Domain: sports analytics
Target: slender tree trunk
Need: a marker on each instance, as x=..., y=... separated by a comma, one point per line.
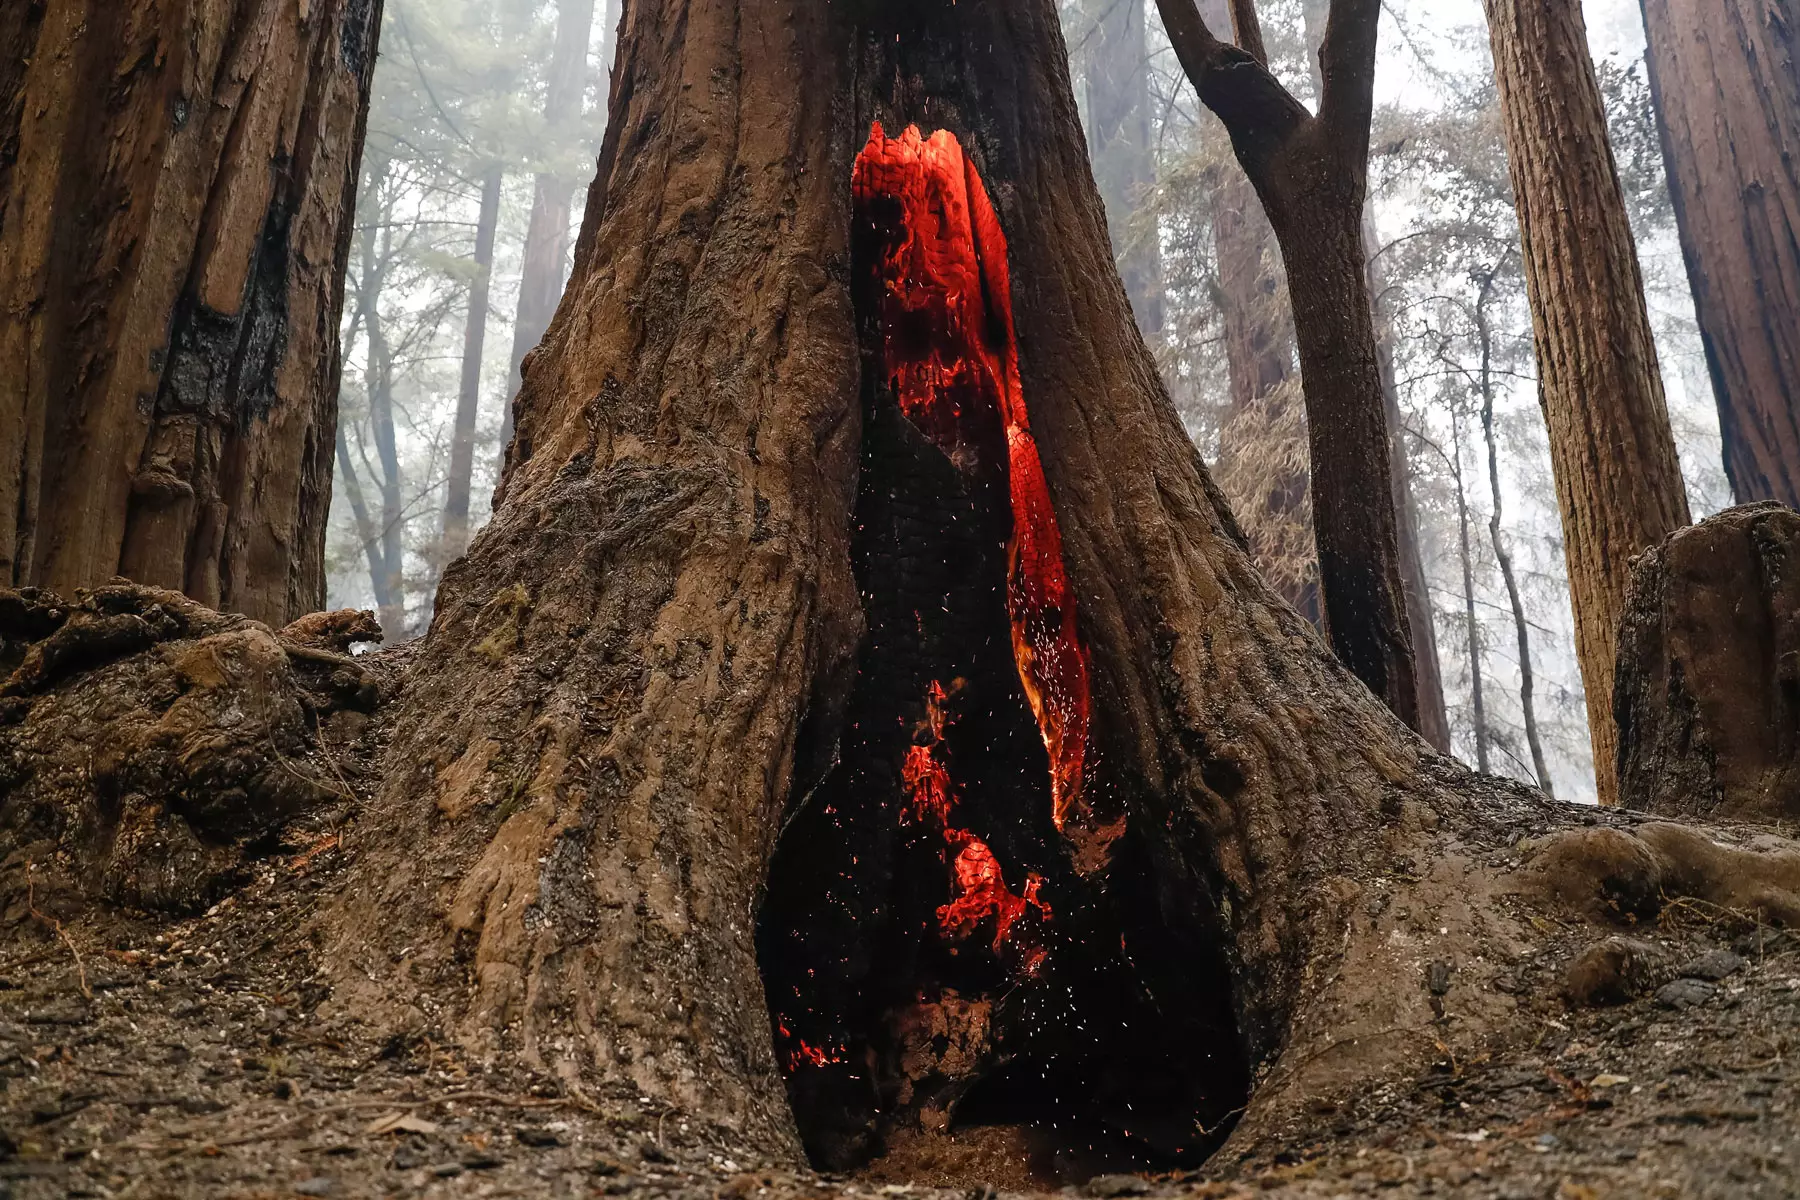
x=1484, y=331
x=1728, y=107
x=1118, y=133
x=175, y=211
x=388, y=575
x=468, y=400
x=1311, y=173
x=1434, y=717
x=546, y=257
x=1617, y=478
x=1472, y=622
x=366, y=533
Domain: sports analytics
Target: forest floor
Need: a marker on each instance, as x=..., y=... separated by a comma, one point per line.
x=147, y=1058
x=191, y=1060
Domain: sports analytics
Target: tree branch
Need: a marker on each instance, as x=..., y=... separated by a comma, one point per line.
x=1246, y=30
x=1260, y=114
x=1347, y=74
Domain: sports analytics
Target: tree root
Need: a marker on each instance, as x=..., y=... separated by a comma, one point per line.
x=151, y=749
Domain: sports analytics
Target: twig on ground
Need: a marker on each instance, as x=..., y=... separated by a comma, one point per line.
x=52, y=922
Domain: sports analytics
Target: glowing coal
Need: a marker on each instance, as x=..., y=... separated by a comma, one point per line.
x=950, y=353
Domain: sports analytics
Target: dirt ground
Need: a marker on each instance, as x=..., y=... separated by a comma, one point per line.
x=149, y=1059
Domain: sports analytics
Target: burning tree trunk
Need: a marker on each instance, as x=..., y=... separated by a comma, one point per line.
x=1617, y=479
x=856, y=599
x=1728, y=107
x=174, y=224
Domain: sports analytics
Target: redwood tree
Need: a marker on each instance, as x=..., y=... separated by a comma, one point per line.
x=665, y=661
x=781, y=405
x=1311, y=174
x=1728, y=107
x=174, y=226
x=1617, y=479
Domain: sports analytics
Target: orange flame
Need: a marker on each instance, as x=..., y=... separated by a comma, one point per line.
x=927, y=780
x=804, y=1054
x=949, y=342
x=984, y=893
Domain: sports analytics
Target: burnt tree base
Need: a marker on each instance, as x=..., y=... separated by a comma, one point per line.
x=936, y=953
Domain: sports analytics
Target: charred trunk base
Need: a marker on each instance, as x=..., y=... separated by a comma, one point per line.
x=959, y=931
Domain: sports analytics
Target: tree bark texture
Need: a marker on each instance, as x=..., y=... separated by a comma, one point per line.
x=1708, y=691
x=638, y=668
x=639, y=674
x=1728, y=108
x=468, y=399
x=1118, y=133
x=1617, y=479
x=546, y=258
x=174, y=222
x=1311, y=174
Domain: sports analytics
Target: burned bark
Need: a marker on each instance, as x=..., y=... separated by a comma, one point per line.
x=174, y=221
x=1728, y=109
x=1708, y=685
x=1617, y=479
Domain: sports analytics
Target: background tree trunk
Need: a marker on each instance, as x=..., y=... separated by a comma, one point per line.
x=468, y=400
x=1521, y=629
x=1311, y=173
x=546, y=259
x=387, y=568
x=1434, y=717
x=1118, y=133
x=1471, y=620
x=1728, y=107
x=1617, y=479
x=174, y=223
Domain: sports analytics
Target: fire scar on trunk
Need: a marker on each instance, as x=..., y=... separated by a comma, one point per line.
x=949, y=933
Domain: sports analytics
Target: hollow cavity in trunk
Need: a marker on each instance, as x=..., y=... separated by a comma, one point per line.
x=962, y=931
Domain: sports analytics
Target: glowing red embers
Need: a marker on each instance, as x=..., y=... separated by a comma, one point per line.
x=802, y=1054
x=928, y=789
x=980, y=893
x=949, y=346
